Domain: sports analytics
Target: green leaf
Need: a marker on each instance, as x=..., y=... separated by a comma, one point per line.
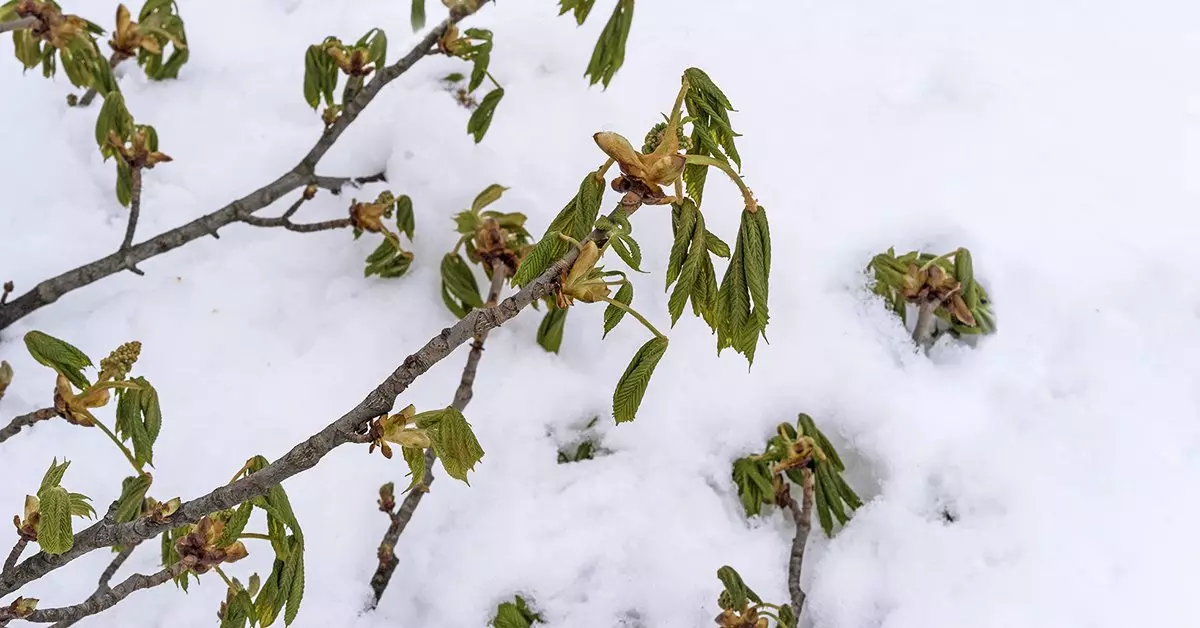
x=581, y=8
x=293, y=579
x=628, y=250
x=418, y=15
x=515, y=614
x=739, y=593
x=54, y=475
x=378, y=47
x=236, y=524
x=460, y=281
x=489, y=195
x=481, y=119
x=550, y=332
x=787, y=619
x=631, y=388
x=133, y=494
x=54, y=525
x=405, y=221
x=716, y=245
x=452, y=304
x=270, y=599
x=684, y=217
x=453, y=441
x=757, y=263
x=544, y=253
x=697, y=252
x=58, y=355
x=415, y=457
x=124, y=183
x=151, y=411
x=313, y=69
x=614, y=314
x=753, y=480
x=80, y=506
x=609, y=54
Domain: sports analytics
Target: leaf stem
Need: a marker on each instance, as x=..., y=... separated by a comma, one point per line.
x=642, y=319
x=254, y=535
x=125, y=450
x=493, y=80
x=704, y=160
x=221, y=572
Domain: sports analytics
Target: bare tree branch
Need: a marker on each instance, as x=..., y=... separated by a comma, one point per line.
x=335, y=184
x=802, y=516
x=18, y=24
x=26, y=420
x=302, y=174
x=14, y=555
x=306, y=455
x=106, y=599
x=462, y=397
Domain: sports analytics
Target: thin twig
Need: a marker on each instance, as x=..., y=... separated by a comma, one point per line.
x=107, y=599
x=113, y=61
x=18, y=24
x=307, y=454
x=339, y=223
x=135, y=206
x=302, y=174
x=14, y=555
x=462, y=397
x=8, y=288
x=102, y=584
x=26, y=420
x=926, y=323
x=802, y=516
x=335, y=184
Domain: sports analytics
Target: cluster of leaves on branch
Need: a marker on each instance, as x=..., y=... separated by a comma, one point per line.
x=490, y=239
x=389, y=259
x=609, y=54
x=741, y=607
x=515, y=614
x=446, y=431
x=944, y=282
x=762, y=479
x=158, y=41
x=326, y=62
x=736, y=310
x=475, y=45
x=191, y=550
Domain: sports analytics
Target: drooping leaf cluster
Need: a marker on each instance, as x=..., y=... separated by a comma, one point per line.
x=60, y=39
x=741, y=607
x=490, y=239
x=389, y=259
x=162, y=30
x=446, y=431
x=475, y=46
x=326, y=62
x=948, y=281
x=793, y=451
x=609, y=53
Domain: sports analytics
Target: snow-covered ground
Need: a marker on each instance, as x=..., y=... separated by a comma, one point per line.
x=1059, y=141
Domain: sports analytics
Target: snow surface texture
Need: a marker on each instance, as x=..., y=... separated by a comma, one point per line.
x=1058, y=141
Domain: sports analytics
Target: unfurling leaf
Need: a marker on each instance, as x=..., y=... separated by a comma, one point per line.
x=742, y=299
x=489, y=195
x=405, y=221
x=574, y=220
x=614, y=314
x=133, y=493
x=459, y=285
x=415, y=457
x=712, y=135
x=631, y=388
x=752, y=476
x=58, y=355
x=453, y=440
x=54, y=525
x=481, y=119
x=515, y=614
x=609, y=54
x=550, y=331
x=581, y=8
x=738, y=592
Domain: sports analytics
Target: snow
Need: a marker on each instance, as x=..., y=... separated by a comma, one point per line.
x=1058, y=141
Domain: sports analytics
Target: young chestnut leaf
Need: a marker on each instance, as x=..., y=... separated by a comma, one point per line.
x=631, y=388
x=61, y=356
x=574, y=220
x=481, y=118
x=550, y=331
x=415, y=457
x=515, y=614
x=453, y=440
x=609, y=54
x=581, y=9
x=459, y=285
x=418, y=15
x=614, y=314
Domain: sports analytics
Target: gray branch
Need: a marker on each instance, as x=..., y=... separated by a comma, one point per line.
x=102, y=586
x=18, y=24
x=802, y=517
x=462, y=397
x=14, y=555
x=306, y=455
x=106, y=599
x=302, y=174
x=26, y=420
